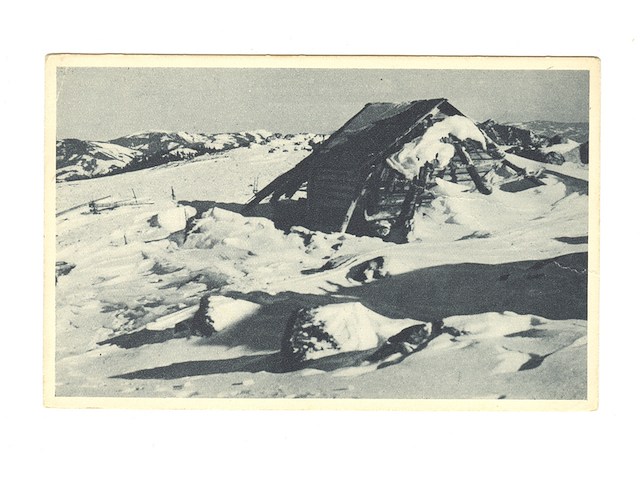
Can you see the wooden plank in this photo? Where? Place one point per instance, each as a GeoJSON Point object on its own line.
{"type": "Point", "coordinates": [471, 169]}
{"type": "Point", "coordinates": [354, 203]}
{"type": "Point", "coordinates": [80, 206]}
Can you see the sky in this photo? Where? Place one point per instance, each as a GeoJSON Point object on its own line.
{"type": "Point", "coordinates": [104, 103]}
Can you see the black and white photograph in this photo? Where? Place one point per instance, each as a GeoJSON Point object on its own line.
{"type": "Point", "coordinates": [313, 232]}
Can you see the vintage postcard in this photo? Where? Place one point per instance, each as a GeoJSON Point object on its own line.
{"type": "Point", "coordinates": [299, 232]}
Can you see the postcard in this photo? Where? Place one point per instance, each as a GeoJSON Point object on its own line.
{"type": "Point", "coordinates": [317, 232]}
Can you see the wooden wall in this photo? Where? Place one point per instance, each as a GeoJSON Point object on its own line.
{"type": "Point", "coordinates": [329, 194]}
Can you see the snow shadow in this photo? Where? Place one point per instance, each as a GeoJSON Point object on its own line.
{"type": "Point", "coordinates": [246, 364]}
{"type": "Point", "coordinates": [519, 185]}
{"type": "Point", "coordinates": [143, 337]}
{"type": "Point", "coordinates": [555, 288]}
{"type": "Point", "coordinates": [267, 363]}
{"type": "Point", "coordinates": [583, 239]}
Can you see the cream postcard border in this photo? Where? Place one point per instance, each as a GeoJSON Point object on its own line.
{"type": "Point", "coordinates": [285, 61]}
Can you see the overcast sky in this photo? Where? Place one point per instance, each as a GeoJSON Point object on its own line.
{"type": "Point", "coordinates": [105, 103]}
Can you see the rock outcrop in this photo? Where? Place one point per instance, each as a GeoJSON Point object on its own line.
{"type": "Point", "coordinates": [218, 312]}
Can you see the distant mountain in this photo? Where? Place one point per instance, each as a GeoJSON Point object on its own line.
{"type": "Point", "coordinates": [578, 132]}
{"type": "Point", "coordinates": [80, 159]}
{"type": "Point", "coordinates": [77, 159]}
{"type": "Point", "coordinates": [544, 141]}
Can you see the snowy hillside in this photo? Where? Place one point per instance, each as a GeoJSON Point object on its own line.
{"type": "Point", "coordinates": [158, 297]}
{"type": "Point", "coordinates": [78, 159]}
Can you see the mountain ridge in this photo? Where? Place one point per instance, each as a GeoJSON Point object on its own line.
{"type": "Point", "coordinates": [83, 159]}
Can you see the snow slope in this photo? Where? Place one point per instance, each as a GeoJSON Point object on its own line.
{"type": "Point", "coordinates": [507, 270]}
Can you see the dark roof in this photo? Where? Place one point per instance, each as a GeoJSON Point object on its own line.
{"type": "Point", "coordinates": [374, 133]}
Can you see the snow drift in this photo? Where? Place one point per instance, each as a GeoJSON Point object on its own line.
{"type": "Point", "coordinates": [430, 147]}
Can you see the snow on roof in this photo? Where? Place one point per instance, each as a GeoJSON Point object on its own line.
{"type": "Point", "coordinates": [429, 148]}
{"type": "Point", "coordinates": [372, 131]}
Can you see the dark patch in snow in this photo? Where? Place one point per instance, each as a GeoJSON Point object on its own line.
{"type": "Point", "coordinates": [473, 235]}
{"type": "Point", "coordinates": [63, 268]}
{"type": "Point", "coordinates": [531, 333]}
{"type": "Point", "coordinates": [520, 185]}
{"type": "Point", "coordinates": [534, 362]}
{"type": "Point", "coordinates": [143, 337]}
{"type": "Point", "coordinates": [153, 221]}
{"type": "Point", "coordinates": [211, 280]}
{"type": "Point", "coordinates": [164, 268]}
{"type": "Point", "coordinates": [373, 269]}
{"type": "Point", "coordinates": [584, 239]}
{"type": "Point", "coordinates": [409, 341]}
{"type": "Point", "coordinates": [248, 364]}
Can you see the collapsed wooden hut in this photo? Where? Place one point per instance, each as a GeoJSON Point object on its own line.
{"type": "Point", "coordinates": [352, 182]}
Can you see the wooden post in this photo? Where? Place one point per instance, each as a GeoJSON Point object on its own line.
{"type": "Point", "coordinates": [523, 173]}
{"type": "Point", "coordinates": [452, 172]}
{"type": "Point", "coordinates": [473, 173]}
{"type": "Point", "coordinates": [354, 203]}
{"type": "Point", "coordinates": [515, 168]}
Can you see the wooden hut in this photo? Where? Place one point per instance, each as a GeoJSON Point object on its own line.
{"type": "Point", "coordinates": [350, 185]}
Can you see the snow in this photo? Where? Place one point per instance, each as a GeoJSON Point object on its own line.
{"type": "Point", "coordinates": [224, 312]}
{"type": "Point", "coordinates": [564, 147]}
{"type": "Point", "coordinates": [472, 260]}
{"type": "Point", "coordinates": [264, 134]}
{"type": "Point", "coordinates": [193, 137]}
{"type": "Point", "coordinates": [175, 219]}
{"type": "Point", "coordinates": [117, 151]}
{"type": "Point", "coordinates": [574, 170]}
{"type": "Point", "coordinates": [429, 148]}
{"type": "Point", "coordinates": [171, 320]}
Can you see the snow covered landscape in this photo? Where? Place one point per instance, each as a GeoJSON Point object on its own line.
{"type": "Point", "coordinates": [165, 289]}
